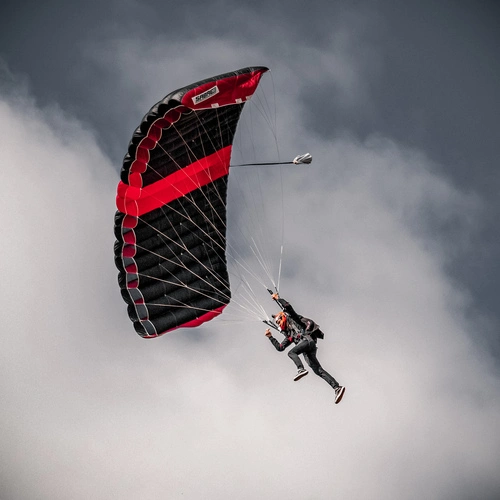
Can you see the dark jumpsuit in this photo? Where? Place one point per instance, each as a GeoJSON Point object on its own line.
{"type": "Point", "coordinates": [302, 332]}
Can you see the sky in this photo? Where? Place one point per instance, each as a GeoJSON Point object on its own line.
{"type": "Point", "coordinates": [391, 245]}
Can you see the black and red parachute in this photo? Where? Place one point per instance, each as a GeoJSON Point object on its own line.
{"type": "Point", "coordinates": [170, 225]}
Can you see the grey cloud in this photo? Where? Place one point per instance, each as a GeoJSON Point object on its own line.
{"type": "Point", "coordinates": [91, 410]}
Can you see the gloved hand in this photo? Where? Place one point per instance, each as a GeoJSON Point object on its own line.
{"type": "Point", "coordinates": [268, 333]}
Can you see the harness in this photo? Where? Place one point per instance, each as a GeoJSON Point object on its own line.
{"type": "Point", "coordinates": [296, 332]}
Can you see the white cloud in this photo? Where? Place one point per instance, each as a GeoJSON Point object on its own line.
{"type": "Point", "coordinates": [89, 410]}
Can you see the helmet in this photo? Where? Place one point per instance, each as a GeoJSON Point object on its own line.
{"type": "Point", "coordinates": [280, 319]}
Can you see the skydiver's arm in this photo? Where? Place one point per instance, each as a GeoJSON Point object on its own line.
{"type": "Point", "coordinates": [287, 307]}
{"type": "Point", "coordinates": [280, 347]}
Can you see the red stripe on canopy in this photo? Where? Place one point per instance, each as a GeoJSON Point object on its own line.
{"type": "Point", "coordinates": [136, 201]}
{"type": "Point", "coordinates": [193, 323]}
{"type": "Point", "coordinates": [230, 90]}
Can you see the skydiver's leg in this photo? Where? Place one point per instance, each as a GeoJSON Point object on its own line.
{"type": "Point", "coordinates": [312, 361]}
{"type": "Point", "coordinates": [293, 353]}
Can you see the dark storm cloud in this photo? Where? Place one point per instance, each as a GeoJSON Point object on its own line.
{"type": "Point", "coordinates": [435, 88]}
{"type": "Point", "coordinates": [46, 43]}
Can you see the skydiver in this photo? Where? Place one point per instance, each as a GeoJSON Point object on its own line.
{"type": "Point", "coordinates": [304, 333]}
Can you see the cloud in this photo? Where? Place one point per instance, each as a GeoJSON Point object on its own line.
{"type": "Point", "coordinates": [89, 410]}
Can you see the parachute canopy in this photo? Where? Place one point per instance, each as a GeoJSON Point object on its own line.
{"type": "Point", "coordinates": [170, 224]}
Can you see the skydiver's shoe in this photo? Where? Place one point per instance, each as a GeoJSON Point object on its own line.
{"type": "Point", "coordinates": [301, 373]}
{"type": "Point", "coordinates": [339, 393]}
